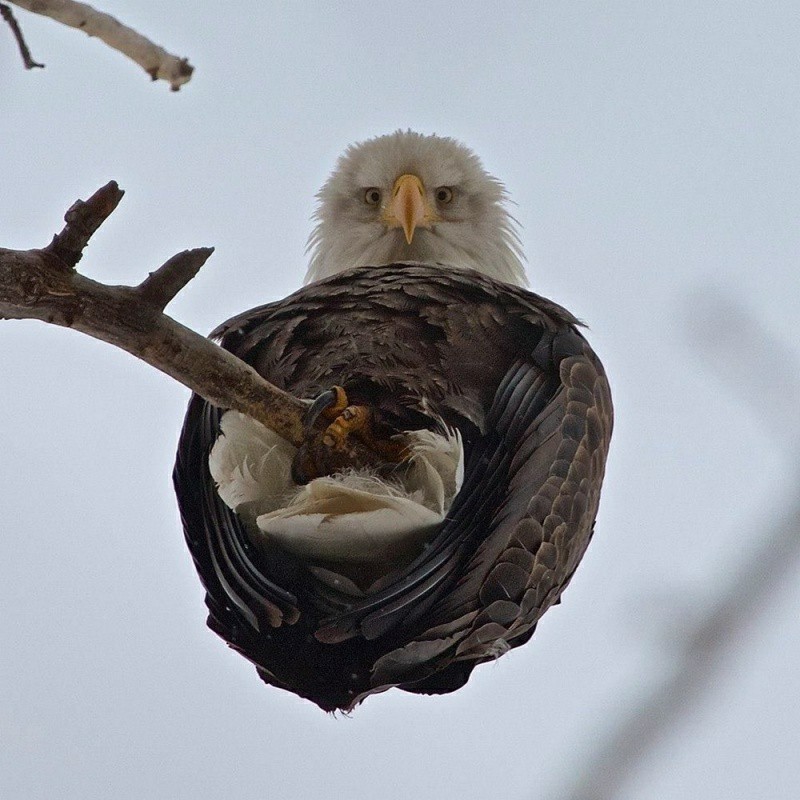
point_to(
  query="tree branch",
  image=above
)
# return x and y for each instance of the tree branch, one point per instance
(42, 284)
(736, 346)
(154, 60)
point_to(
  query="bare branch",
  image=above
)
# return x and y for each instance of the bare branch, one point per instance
(27, 59)
(43, 285)
(154, 60)
(37, 284)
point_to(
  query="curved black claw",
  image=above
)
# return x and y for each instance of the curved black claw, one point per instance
(333, 401)
(307, 461)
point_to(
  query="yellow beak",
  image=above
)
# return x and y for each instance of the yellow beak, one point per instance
(408, 207)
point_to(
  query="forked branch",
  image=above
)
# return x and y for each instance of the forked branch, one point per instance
(43, 284)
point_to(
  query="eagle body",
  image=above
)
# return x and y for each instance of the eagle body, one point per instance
(461, 360)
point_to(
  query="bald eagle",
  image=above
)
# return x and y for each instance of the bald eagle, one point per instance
(491, 414)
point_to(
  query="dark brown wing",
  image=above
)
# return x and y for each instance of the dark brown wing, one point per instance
(510, 370)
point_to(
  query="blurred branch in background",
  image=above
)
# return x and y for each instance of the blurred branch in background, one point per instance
(154, 60)
(759, 369)
(764, 373)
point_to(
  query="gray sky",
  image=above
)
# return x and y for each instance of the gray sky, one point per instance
(651, 148)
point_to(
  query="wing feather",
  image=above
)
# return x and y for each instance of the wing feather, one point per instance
(537, 536)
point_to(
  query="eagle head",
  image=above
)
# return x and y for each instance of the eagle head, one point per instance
(406, 197)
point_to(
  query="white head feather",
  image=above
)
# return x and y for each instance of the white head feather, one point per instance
(471, 230)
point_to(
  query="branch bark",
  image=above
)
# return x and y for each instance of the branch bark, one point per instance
(43, 284)
(154, 60)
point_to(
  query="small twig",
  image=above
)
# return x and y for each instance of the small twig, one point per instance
(27, 59)
(154, 60)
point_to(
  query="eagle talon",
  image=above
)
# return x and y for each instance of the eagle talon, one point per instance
(328, 451)
(329, 404)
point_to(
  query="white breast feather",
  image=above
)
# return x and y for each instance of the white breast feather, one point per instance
(356, 516)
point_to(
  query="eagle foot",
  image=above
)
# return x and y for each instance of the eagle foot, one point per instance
(331, 450)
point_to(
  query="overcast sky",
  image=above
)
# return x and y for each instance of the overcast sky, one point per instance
(652, 151)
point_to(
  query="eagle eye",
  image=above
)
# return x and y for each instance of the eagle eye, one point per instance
(372, 196)
(444, 194)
